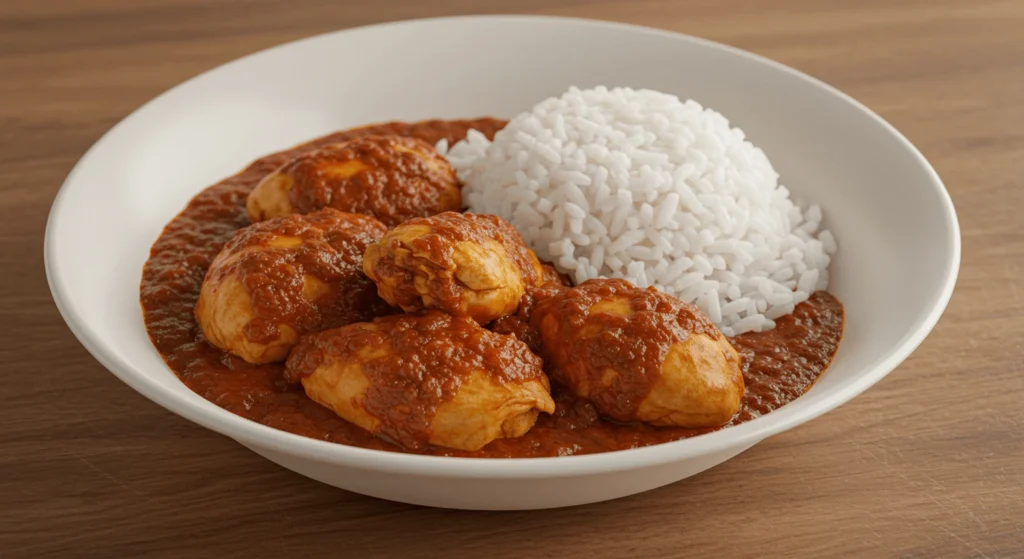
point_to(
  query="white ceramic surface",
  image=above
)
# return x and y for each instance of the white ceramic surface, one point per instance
(887, 207)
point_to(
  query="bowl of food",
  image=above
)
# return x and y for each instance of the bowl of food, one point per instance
(501, 262)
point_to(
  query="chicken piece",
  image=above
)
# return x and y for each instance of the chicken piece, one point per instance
(464, 264)
(281, 278)
(639, 355)
(424, 379)
(393, 178)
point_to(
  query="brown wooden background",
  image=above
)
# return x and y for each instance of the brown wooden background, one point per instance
(928, 464)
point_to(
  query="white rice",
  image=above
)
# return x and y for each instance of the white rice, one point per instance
(639, 185)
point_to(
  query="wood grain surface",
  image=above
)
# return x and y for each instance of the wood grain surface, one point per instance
(927, 464)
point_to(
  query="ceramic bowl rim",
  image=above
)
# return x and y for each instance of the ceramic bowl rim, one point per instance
(744, 435)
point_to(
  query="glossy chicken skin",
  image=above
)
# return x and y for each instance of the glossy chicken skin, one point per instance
(464, 264)
(281, 278)
(424, 379)
(392, 178)
(639, 355)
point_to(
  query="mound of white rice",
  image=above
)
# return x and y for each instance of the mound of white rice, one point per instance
(639, 185)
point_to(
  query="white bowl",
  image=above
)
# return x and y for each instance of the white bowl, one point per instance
(896, 226)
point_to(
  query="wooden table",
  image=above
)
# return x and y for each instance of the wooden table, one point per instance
(927, 464)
